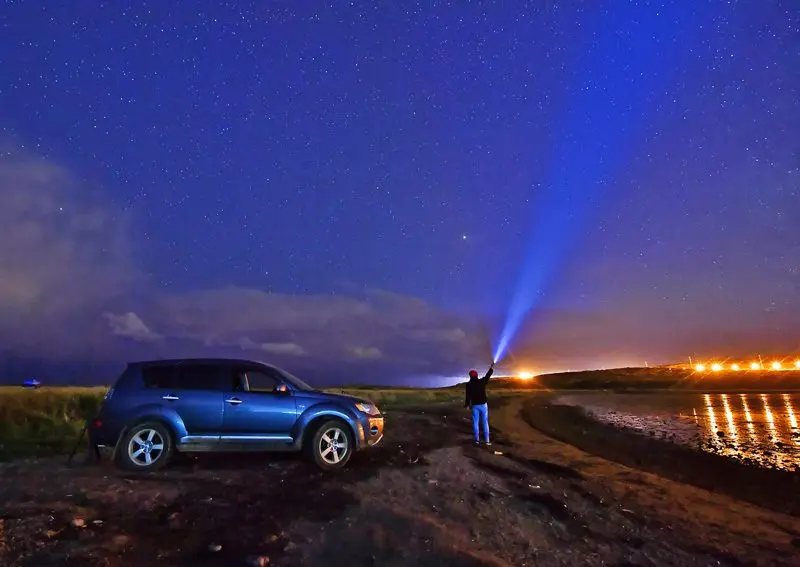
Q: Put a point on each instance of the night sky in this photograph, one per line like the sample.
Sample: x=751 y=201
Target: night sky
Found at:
x=374 y=191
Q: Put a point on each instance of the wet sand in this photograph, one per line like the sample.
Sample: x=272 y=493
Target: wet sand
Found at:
x=426 y=497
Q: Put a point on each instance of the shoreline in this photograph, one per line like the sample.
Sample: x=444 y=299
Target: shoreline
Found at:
x=772 y=489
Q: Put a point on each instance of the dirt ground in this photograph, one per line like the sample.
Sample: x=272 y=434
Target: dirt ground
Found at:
x=425 y=497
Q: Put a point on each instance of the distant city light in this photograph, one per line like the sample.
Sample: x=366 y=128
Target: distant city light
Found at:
x=775 y=365
x=525 y=375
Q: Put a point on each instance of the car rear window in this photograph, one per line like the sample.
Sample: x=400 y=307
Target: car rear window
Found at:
x=157 y=376
x=183 y=377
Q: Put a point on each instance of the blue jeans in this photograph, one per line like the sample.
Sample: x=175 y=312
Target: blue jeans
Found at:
x=480 y=416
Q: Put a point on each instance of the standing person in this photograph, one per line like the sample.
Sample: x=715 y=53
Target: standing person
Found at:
x=476 y=400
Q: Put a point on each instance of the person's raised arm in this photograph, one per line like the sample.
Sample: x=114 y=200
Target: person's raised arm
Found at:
x=489 y=372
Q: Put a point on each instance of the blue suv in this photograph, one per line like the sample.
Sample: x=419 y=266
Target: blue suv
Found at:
x=212 y=405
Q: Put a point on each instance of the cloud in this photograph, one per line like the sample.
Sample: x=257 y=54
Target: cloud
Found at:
x=386 y=326
x=439 y=335
x=292 y=349
x=367 y=353
x=64 y=257
x=131 y=326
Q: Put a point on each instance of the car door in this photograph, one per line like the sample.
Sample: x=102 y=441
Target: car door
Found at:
x=255 y=413
x=195 y=392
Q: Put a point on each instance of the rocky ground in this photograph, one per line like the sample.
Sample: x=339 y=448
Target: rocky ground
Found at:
x=426 y=497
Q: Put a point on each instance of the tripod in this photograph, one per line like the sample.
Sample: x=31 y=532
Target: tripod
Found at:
x=94 y=450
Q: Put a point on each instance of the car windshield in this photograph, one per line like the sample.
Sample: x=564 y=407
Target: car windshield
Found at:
x=295 y=381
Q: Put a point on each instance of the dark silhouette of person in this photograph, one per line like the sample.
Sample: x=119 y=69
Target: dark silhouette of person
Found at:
x=476 y=400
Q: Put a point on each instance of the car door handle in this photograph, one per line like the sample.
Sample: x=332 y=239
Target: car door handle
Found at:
x=234 y=401
x=170 y=397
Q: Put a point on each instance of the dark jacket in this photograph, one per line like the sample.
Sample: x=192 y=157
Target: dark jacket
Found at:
x=476 y=390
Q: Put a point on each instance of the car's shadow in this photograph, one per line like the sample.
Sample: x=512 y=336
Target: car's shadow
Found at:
x=231 y=460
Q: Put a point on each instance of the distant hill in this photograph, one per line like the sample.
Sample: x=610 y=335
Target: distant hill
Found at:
x=660 y=378
x=670 y=378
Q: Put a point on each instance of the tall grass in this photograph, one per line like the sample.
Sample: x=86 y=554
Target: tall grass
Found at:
x=35 y=422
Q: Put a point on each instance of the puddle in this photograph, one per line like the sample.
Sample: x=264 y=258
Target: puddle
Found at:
x=754 y=428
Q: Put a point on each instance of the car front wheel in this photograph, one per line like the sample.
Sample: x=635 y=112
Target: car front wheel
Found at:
x=332 y=445
x=145 y=447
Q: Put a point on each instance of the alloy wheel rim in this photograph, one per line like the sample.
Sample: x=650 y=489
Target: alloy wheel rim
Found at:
x=333 y=445
x=145 y=447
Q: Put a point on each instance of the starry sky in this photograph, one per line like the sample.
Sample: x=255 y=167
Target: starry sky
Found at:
x=371 y=191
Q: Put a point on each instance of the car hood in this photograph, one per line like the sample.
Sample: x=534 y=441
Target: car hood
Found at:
x=341 y=398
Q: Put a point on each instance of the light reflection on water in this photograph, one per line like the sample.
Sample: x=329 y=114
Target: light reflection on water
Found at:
x=748 y=419
x=787 y=401
x=759 y=427
x=755 y=428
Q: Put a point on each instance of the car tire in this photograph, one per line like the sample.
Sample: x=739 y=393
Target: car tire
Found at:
x=331 y=445
x=145 y=447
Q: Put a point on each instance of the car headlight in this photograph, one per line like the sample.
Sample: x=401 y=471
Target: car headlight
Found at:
x=367 y=408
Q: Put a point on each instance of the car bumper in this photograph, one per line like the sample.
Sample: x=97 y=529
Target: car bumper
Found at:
x=102 y=433
x=371 y=431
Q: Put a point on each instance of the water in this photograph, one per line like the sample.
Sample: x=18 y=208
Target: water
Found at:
x=759 y=429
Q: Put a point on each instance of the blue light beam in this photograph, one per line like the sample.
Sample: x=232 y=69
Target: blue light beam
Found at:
x=634 y=50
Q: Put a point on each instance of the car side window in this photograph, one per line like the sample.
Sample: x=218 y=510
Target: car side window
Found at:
x=238 y=380
x=157 y=376
x=261 y=381
x=198 y=377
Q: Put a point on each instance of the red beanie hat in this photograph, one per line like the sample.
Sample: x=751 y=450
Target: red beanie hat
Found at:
x=473 y=373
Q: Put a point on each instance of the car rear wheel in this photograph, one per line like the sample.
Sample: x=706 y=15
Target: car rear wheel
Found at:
x=146 y=447
x=331 y=445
